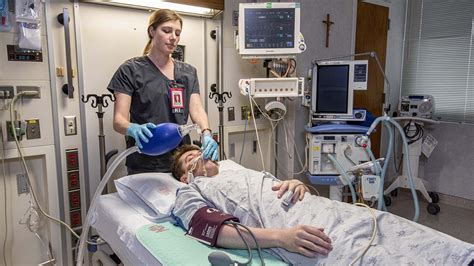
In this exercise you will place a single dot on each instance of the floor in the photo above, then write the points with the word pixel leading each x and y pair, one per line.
pixel 455 221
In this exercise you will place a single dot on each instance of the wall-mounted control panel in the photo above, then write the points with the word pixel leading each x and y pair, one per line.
pixel 16 53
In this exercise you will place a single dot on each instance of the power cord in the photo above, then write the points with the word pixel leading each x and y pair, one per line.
pixel 219 258
pixel 4 247
pixel 259 250
pixel 28 181
pixel 348 148
pixel 256 131
pixel 305 165
pixel 249 250
pixel 396 165
pixel 418 134
pixel 243 141
pixel 280 165
pixel 35 224
pixel 374 232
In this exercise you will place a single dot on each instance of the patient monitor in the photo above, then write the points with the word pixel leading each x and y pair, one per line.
pixel 270 30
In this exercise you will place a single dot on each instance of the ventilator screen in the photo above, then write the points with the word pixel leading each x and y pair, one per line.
pixel 332 89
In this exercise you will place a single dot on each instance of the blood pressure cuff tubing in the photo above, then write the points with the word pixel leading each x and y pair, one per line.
pixel 206 224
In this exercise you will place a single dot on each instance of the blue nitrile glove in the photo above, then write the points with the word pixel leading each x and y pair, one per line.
pixel 209 147
pixel 140 133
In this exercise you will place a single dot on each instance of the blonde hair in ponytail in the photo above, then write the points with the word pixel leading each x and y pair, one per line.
pixel 157 18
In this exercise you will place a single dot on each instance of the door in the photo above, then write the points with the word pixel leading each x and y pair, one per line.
pixel 371 35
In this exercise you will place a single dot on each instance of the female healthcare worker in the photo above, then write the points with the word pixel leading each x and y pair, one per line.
pixel 153 89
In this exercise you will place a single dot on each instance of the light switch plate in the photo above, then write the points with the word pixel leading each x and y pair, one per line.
pixel 33 129
pixel 70 126
pixel 230 113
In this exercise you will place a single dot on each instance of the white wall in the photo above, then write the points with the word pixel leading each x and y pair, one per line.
pixel 341 42
pixel 234 69
pixel 102 27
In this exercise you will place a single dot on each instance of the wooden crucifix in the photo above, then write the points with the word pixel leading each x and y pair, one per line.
pixel 328 23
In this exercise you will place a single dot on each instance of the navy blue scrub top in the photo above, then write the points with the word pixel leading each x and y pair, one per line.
pixel 150 89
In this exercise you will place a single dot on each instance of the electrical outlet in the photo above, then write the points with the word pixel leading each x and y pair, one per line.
pixel 6 92
pixel 36 89
pixel 22 184
pixel 20 128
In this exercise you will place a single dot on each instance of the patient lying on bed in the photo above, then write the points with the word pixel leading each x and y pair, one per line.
pixel 313 230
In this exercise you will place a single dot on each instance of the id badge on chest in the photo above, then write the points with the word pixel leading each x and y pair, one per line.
pixel 177 98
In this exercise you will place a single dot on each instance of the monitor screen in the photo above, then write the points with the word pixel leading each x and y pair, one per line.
pixel 269 28
pixel 332 89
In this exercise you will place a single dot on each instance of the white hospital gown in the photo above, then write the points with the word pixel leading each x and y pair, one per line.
pixel 247 194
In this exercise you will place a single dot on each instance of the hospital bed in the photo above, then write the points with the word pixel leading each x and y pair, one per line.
pixel 117 223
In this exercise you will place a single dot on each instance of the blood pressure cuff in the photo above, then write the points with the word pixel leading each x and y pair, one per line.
pixel 206 224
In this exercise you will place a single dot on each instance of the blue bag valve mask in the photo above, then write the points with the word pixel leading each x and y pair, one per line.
pixel 166 137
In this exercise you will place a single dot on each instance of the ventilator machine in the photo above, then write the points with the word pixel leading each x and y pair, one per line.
pixel 339 150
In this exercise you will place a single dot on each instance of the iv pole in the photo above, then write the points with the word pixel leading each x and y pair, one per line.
pixel 99 102
pixel 217 92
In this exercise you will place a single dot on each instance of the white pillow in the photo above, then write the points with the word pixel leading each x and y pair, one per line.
pixel 151 194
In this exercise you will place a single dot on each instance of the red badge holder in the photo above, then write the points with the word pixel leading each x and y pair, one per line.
pixel 176 97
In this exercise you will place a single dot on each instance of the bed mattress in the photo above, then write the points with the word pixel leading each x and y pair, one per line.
pixel 116 222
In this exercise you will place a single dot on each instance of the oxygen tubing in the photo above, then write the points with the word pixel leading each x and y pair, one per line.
pixel 98 192
pixel 381 201
pixel 405 146
pixel 410 177
pixel 374 161
pixel 344 174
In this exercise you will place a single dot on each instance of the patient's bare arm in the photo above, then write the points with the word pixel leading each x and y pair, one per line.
pixel 306 240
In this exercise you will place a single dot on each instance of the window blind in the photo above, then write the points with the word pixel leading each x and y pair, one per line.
pixel 439 56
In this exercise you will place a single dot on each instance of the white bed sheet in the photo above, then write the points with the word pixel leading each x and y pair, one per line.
pixel 117 222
